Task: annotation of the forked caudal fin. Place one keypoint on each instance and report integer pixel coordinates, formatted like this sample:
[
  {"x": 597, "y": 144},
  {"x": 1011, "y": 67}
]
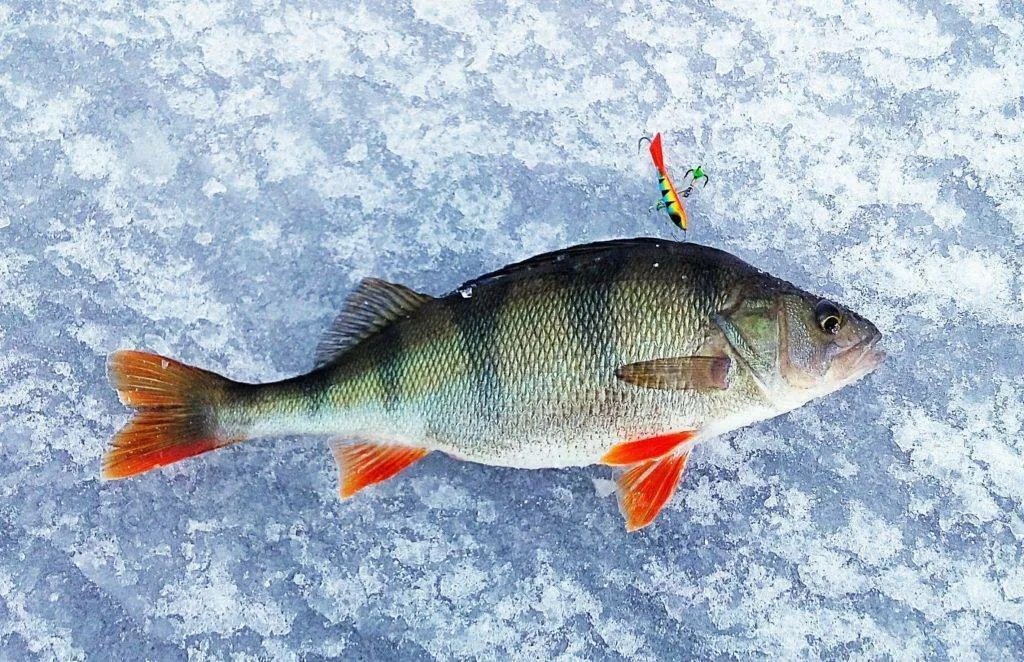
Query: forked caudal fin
[{"x": 177, "y": 412}]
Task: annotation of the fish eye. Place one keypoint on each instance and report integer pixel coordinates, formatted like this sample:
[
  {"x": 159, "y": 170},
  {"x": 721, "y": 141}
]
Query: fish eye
[{"x": 830, "y": 319}]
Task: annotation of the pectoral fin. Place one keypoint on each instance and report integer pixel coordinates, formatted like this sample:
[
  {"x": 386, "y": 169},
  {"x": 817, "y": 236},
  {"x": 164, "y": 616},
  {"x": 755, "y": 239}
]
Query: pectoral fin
[
  {"x": 361, "y": 464},
  {"x": 700, "y": 373},
  {"x": 645, "y": 488}
]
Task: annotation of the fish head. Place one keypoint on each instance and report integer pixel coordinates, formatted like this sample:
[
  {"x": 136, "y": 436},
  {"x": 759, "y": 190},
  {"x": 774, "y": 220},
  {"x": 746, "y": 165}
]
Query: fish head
[
  {"x": 823, "y": 345},
  {"x": 799, "y": 346}
]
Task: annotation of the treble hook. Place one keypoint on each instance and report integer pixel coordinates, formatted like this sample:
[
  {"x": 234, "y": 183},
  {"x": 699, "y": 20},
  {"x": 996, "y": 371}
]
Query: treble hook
[
  {"x": 693, "y": 180},
  {"x": 701, "y": 175}
]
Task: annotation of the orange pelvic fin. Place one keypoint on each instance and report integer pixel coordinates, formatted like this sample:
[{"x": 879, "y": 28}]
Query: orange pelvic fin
[
  {"x": 641, "y": 450},
  {"x": 362, "y": 464},
  {"x": 646, "y": 488},
  {"x": 176, "y": 418},
  {"x": 656, "y": 154}
]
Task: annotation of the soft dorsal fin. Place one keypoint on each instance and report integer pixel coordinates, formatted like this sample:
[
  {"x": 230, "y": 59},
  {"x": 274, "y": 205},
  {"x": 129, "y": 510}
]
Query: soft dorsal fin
[{"x": 372, "y": 305}]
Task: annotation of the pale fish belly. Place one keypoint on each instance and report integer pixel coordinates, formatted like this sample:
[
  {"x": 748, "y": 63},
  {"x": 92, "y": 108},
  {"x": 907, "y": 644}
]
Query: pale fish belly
[
  {"x": 550, "y": 428},
  {"x": 551, "y": 421}
]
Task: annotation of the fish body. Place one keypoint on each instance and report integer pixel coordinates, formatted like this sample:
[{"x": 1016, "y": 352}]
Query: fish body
[
  {"x": 624, "y": 353},
  {"x": 519, "y": 369}
]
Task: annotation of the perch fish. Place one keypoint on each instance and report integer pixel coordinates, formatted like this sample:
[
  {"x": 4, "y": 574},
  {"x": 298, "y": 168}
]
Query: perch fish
[{"x": 624, "y": 353}]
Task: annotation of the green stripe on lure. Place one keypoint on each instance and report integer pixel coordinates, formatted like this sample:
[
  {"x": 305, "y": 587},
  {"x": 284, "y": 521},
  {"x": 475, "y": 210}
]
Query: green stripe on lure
[
  {"x": 671, "y": 201},
  {"x": 622, "y": 353}
]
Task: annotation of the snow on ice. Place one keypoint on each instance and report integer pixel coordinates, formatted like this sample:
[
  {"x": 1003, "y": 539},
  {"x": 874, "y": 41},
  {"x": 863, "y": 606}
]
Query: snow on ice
[{"x": 209, "y": 179}]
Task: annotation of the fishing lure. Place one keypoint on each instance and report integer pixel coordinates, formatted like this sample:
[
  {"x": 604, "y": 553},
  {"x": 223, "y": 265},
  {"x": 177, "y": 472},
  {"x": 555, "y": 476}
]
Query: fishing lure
[{"x": 671, "y": 201}]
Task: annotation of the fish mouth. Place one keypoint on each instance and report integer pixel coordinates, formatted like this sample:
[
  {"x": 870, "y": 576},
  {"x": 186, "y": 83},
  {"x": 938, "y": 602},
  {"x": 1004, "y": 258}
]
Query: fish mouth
[{"x": 861, "y": 359}]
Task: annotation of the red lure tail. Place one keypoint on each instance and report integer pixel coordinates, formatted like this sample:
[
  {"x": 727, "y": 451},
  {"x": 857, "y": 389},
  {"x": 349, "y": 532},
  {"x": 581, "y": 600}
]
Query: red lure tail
[{"x": 656, "y": 154}]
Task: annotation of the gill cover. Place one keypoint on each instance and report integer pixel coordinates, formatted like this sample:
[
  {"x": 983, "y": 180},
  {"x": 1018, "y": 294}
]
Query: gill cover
[{"x": 751, "y": 326}]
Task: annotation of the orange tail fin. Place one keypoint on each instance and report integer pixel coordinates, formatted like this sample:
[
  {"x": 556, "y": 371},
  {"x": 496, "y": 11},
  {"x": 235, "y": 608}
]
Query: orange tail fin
[
  {"x": 656, "y": 154},
  {"x": 177, "y": 412}
]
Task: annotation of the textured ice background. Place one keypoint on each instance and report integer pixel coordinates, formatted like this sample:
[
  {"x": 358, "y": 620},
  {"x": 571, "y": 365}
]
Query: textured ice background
[{"x": 209, "y": 180}]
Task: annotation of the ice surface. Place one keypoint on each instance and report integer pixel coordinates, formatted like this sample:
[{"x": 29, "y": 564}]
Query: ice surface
[{"x": 209, "y": 181}]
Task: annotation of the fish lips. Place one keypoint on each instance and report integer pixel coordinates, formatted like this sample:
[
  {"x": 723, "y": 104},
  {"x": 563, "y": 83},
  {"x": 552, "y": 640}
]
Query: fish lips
[{"x": 858, "y": 360}]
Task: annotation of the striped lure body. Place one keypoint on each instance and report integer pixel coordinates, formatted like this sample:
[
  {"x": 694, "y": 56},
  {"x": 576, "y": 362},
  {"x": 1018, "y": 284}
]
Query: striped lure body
[
  {"x": 623, "y": 353},
  {"x": 670, "y": 200}
]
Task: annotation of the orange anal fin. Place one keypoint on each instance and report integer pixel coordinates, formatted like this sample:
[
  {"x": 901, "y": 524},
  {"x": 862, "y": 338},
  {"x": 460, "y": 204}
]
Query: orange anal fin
[
  {"x": 641, "y": 450},
  {"x": 646, "y": 488},
  {"x": 362, "y": 464}
]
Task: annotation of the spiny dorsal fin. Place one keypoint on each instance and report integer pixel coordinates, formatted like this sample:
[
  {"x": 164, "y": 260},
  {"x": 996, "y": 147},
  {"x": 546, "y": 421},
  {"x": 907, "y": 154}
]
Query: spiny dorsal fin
[
  {"x": 570, "y": 259},
  {"x": 594, "y": 257},
  {"x": 372, "y": 305}
]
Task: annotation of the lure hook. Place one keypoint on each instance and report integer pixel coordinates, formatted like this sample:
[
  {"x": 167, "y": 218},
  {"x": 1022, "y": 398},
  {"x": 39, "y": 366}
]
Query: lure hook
[{"x": 693, "y": 180}]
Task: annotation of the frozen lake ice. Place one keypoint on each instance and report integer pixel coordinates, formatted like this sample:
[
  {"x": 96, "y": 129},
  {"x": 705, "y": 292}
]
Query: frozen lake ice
[{"x": 209, "y": 180}]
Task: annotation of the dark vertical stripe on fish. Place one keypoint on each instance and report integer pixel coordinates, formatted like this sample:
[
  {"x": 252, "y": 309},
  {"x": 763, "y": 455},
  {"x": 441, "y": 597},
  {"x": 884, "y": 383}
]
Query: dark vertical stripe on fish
[
  {"x": 590, "y": 311},
  {"x": 704, "y": 284},
  {"x": 391, "y": 366},
  {"x": 477, "y": 324}
]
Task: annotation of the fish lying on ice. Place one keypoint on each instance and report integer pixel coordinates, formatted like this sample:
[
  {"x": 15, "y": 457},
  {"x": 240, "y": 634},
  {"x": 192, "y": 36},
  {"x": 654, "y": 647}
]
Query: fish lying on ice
[{"x": 623, "y": 353}]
